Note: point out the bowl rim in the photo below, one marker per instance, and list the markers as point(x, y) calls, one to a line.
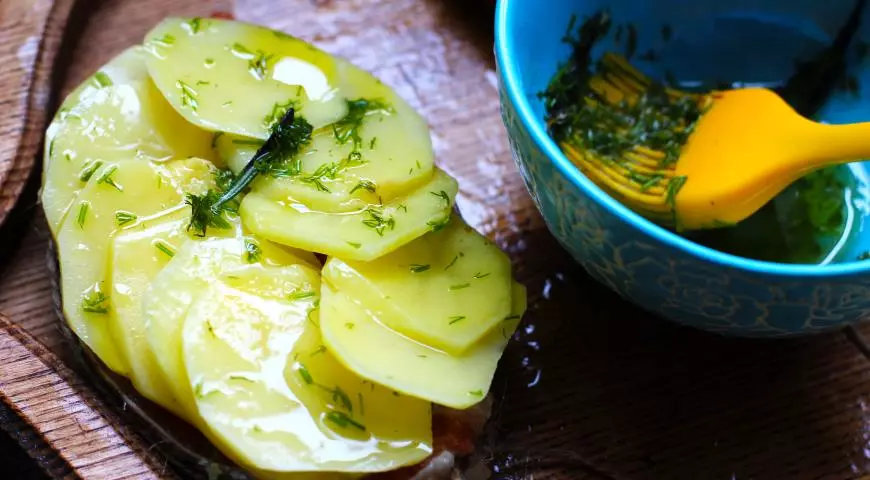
point(510, 80)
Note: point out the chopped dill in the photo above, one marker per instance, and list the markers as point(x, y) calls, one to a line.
point(479, 275)
point(188, 95)
point(476, 393)
point(354, 244)
point(95, 301)
point(459, 286)
point(366, 185)
point(123, 218)
point(165, 247)
point(82, 216)
point(305, 374)
point(452, 262)
point(253, 252)
point(417, 268)
point(442, 195)
point(342, 420)
point(300, 295)
point(438, 225)
point(106, 178)
point(456, 319)
point(288, 137)
point(89, 169)
point(102, 80)
point(349, 128)
point(378, 221)
point(259, 65)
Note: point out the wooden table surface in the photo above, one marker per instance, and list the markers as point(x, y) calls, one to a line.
point(591, 387)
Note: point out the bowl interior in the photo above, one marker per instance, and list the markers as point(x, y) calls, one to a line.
point(756, 42)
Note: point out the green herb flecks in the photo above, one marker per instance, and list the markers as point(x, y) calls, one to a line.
point(300, 295)
point(164, 41)
point(456, 319)
point(443, 196)
point(102, 80)
point(194, 25)
point(288, 137)
point(459, 286)
point(349, 128)
point(342, 420)
point(476, 393)
point(123, 218)
point(89, 169)
point(95, 301)
point(438, 225)
point(331, 171)
point(84, 207)
point(305, 374)
point(253, 252)
point(366, 185)
point(480, 275)
point(417, 268)
point(259, 65)
point(165, 248)
point(579, 116)
point(106, 178)
point(279, 110)
point(188, 95)
point(354, 244)
point(378, 221)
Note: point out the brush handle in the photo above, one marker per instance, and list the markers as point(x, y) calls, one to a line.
point(837, 144)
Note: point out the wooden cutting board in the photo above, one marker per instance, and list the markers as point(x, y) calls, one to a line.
point(590, 387)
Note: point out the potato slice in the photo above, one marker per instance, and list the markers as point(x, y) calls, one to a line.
point(357, 337)
point(116, 193)
point(362, 235)
point(195, 266)
point(228, 76)
point(117, 114)
point(275, 399)
point(381, 150)
point(138, 253)
point(446, 289)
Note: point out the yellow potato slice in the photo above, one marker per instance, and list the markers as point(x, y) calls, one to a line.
point(228, 76)
point(446, 289)
point(138, 253)
point(356, 336)
point(117, 114)
point(381, 150)
point(362, 235)
point(117, 192)
point(274, 399)
point(195, 266)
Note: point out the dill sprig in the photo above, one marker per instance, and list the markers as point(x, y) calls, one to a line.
point(288, 137)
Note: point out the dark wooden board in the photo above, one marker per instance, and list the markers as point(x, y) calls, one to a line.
point(591, 387)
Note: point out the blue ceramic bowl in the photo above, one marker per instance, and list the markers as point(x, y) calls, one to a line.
point(651, 266)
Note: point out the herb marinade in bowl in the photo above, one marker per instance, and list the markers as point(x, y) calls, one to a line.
point(793, 268)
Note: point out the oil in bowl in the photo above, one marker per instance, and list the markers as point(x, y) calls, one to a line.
point(820, 219)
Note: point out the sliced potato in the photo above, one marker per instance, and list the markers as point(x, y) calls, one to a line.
point(195, 266)
point(117, 114)
point(446, 289)
point(115, 193)
point(393, 152)
point(274, 398)
point(138, 253)
point(362, 235)
point(228, 76)
point(357, 337)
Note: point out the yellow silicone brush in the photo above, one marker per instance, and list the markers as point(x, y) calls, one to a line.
point(735, 149)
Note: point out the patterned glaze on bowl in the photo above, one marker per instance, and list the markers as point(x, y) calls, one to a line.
point(655, 268)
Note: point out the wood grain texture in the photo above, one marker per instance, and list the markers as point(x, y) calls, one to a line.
point(79, 434)
point(30, 37)
point(591, 387)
